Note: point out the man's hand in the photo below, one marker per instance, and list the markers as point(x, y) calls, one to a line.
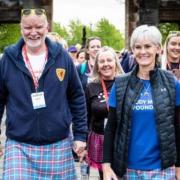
point(108, 173)
point(79, 147)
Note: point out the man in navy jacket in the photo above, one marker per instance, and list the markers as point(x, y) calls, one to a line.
point(42, 93)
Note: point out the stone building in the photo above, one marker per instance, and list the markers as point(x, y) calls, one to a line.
point(150, 12)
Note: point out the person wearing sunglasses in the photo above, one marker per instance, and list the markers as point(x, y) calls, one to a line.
point(171, 53)
point(42, 93)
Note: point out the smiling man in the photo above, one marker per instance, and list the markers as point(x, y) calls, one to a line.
point(42, 93)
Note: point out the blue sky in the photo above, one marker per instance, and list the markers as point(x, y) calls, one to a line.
point(90, 11)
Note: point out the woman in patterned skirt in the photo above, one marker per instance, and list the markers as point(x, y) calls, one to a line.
point(105, 69)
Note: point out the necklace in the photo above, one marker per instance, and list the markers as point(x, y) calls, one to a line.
point(146, 89)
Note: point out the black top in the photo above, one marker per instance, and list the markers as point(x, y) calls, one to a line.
point(96, 105)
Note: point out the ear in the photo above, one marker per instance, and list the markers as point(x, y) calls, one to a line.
point(159, 50)
point(132, 49)
point(48, 27)
point(87, 51)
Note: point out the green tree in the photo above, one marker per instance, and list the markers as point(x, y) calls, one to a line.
point(109, 34)
point(75, 32)
point(61, 30)
point(165, 28)
point(9, 34)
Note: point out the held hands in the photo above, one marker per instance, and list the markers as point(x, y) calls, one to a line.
point(108, 173)
point(177, 173)
point(82, 156)
point(79, 147)
point(1, 151)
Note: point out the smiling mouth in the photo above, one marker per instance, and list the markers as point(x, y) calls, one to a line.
point(34, 39)
point(176, 52)
point(106, 70)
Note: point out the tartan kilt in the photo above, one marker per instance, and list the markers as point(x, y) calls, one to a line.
point(156, 174)
point(25, 161)
point(95, 149)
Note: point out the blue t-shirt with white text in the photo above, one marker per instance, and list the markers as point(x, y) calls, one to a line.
point(144, 150)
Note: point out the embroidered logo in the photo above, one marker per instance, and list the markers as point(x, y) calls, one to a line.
point(163, 89)
point(60, 73)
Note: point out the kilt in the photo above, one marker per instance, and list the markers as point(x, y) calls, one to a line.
point(157, 174)
point(31, 162)
point(95, 150)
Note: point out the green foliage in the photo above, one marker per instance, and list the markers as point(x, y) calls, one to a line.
point(165, 28)
point(104, 29)
point(75, 32)
point(109, 34)
point(62, 31)
point(9, 34)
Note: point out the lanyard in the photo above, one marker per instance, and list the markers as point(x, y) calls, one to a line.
point(35, 79)
point(169, 66)
point(90, 67)
point(105, 93)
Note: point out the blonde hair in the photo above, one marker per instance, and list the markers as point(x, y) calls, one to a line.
point(164, 59)
point(54, 36)
point(95, 76)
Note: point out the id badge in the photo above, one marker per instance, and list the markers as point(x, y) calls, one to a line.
point(38, 100)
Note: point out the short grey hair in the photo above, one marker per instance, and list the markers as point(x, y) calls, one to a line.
point(146, 31)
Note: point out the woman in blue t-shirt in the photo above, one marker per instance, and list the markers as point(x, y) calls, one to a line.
point(142, 136)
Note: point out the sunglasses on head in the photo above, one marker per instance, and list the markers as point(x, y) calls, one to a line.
point(175, 33)
point(38, 12)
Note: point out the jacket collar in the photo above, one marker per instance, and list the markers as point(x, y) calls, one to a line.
point(15, 51)
point(152, 73)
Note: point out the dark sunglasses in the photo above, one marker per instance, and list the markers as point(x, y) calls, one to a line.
point(38, 12)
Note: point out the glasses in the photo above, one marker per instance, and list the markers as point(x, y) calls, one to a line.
point(28, 12)
point(175, 33)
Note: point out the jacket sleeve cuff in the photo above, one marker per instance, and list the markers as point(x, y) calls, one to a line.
point(80, 137)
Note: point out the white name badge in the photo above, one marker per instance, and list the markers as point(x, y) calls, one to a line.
point(38, 100)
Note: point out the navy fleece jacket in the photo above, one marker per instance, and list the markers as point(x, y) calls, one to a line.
point(65, 100)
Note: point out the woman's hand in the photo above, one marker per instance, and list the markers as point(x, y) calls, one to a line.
point(82, 155)
point(1, 151)
point(79, 147)
point(108, 173)
point(177, 173)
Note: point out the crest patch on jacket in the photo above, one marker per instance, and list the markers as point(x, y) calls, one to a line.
point(60, 73)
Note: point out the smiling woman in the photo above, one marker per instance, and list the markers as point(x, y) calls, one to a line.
point(136, 143)
point(171, 53)
point(106, 68)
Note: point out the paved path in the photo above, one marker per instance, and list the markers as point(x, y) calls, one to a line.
point(93, 173)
